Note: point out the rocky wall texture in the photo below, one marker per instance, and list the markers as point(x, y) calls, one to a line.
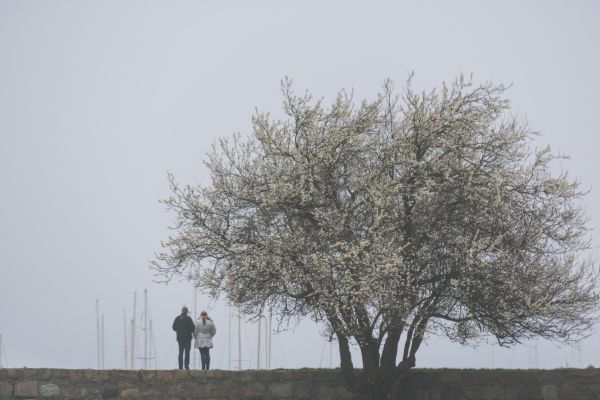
point(568, 384)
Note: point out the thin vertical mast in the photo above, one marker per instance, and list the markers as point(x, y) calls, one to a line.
point(102, 341)
point(269, 339)
point(239, 339)
point(229, 339)
point(133, 328)
point(258, 345)
point(98, 331)
point(124, 339)
point(145, 328)
point(151, 339)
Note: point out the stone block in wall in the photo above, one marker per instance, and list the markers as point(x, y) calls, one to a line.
point(198, 376)
point(451, 376)
point(165, 376)
point(151, 392)
point(6, 389)
point(89, 393)
point(329, 375)
point(102, 375)
point(30, 373)
point(280, 389)
point(15, 373)
point(251, 376)
point(49, 390)
point(176, 389)
point(304, 390)
point(76, 375)
point(181, 374)
point(44, 374)
point(554, 377)
point(283, 375)
point(220, 390)
point(493, 392)
point(588, 392)
point(473, 392)
point(129, 393)
point(71, 392)
point(521, 392)
point(195, 389)
point(90, 374)
point(567, 391)
point(148, 375)
point(216, 390)
point(326, 393)
point(586, 373)
point(26, 389)
point(124, 375)
point(59, 374)
point(3, 374)
point(549, 392)
point(218, 374)
point(525, 392)
point(477, 377)
point(253, 389)
point(521, 377)
point(109, 392)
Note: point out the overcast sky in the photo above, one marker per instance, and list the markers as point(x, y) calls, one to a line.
point(100, 99)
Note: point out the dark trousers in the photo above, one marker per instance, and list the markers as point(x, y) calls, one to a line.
point(205, 357)
point(184, 346)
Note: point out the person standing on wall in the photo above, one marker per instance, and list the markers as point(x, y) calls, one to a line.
point(184, 326)
point(205, 330)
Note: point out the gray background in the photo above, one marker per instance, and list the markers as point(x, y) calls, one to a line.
point(99, 100)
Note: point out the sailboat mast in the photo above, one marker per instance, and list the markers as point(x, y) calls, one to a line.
point(151, 341)
point(239, 340)
point(229, 338)
point(270, 336)
point(258, 345)
point(102, 341)
point(133, 331)
point(125, 339)
point(145, 328)
point(98, 331)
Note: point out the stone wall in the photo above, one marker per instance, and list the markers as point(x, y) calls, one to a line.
point(90, 384)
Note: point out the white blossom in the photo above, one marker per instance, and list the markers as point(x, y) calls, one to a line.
point(408, 215)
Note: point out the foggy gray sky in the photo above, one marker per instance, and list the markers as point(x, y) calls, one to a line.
point(99, 100)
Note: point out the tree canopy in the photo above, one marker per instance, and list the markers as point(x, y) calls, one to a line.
point(388, 220)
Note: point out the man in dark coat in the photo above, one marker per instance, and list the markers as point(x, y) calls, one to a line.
point(184, 326)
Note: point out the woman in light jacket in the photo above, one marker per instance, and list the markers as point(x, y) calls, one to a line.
point(205, 330)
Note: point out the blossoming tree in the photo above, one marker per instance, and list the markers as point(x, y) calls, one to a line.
point(409, 215)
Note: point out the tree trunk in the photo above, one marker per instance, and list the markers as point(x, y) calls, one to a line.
point(371, 370)
point(390, 350)
point(346, 361)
